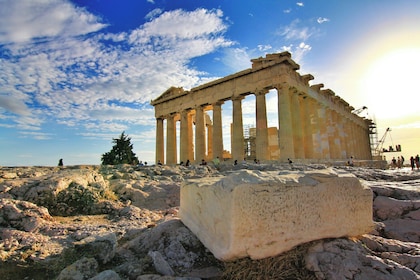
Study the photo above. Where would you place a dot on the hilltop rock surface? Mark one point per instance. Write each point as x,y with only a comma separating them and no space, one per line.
121,222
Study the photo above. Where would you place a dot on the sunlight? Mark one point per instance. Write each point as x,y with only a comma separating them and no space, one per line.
390,83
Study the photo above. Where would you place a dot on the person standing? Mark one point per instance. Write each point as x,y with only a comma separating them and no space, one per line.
412,162
60,162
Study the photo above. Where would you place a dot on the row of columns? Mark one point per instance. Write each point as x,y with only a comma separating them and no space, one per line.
308,129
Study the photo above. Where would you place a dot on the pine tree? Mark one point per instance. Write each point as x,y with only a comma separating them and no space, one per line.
121,153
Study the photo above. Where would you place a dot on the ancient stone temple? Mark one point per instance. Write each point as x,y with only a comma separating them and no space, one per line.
313,123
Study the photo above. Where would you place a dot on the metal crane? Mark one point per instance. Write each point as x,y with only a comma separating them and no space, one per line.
380,149
358,111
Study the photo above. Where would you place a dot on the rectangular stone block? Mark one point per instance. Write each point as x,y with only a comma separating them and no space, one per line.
259,214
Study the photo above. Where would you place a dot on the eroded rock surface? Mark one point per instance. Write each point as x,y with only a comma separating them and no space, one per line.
59,222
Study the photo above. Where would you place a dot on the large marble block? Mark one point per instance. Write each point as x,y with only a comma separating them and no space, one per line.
262,214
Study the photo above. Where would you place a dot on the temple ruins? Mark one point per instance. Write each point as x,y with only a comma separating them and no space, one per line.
314,124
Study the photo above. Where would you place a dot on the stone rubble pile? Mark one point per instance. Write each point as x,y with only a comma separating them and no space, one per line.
121,222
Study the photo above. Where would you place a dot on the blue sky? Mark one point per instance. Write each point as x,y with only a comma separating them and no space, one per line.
75,74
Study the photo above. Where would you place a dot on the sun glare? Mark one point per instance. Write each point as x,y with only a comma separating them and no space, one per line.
390,83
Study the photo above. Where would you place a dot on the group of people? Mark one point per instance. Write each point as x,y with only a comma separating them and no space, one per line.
399,162
415,162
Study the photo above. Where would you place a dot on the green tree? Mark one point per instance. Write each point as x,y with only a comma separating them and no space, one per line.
122,152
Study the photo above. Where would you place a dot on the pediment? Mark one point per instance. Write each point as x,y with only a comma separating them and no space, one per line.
170,93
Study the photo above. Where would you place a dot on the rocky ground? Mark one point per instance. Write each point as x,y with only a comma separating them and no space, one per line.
120,222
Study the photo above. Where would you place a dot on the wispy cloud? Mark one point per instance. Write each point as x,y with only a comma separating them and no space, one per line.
321,20
153,13
36,135
296,30
264,48
23,21
52,69
236,59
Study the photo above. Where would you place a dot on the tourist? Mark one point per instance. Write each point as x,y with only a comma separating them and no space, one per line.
393,162
187,163
417,159
235,162
60,162
216,162
350,162
159,163
412,162
203,162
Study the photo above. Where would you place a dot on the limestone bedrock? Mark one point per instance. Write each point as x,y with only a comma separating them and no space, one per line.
257,214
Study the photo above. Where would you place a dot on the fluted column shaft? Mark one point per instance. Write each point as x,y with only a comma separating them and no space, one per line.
190,137
217,130
171,154
184,136
297,124
160,143
342,135
237,130
307,127
331,134
200,134
316,131
209,141
286,144
261,129
325,148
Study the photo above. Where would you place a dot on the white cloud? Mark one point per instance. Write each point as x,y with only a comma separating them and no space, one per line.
36,135
296,31
236,59
300,4
14,105
153,13
23,21
321,20
72,78
263,48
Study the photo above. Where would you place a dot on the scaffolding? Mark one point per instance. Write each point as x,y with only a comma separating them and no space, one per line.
250,136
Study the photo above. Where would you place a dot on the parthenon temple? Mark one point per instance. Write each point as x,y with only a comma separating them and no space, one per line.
314,124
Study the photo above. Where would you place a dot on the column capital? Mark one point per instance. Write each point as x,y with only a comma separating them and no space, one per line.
258,91
282,86
238,97
218,103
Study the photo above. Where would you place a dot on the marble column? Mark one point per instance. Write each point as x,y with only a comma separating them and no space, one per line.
325,148
286,144
237,129
160,141
297,124
306,114
200,135
316,131
171,153
342,135
217,130
331,134
336,134
261,129
209,141
184,139
190,137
